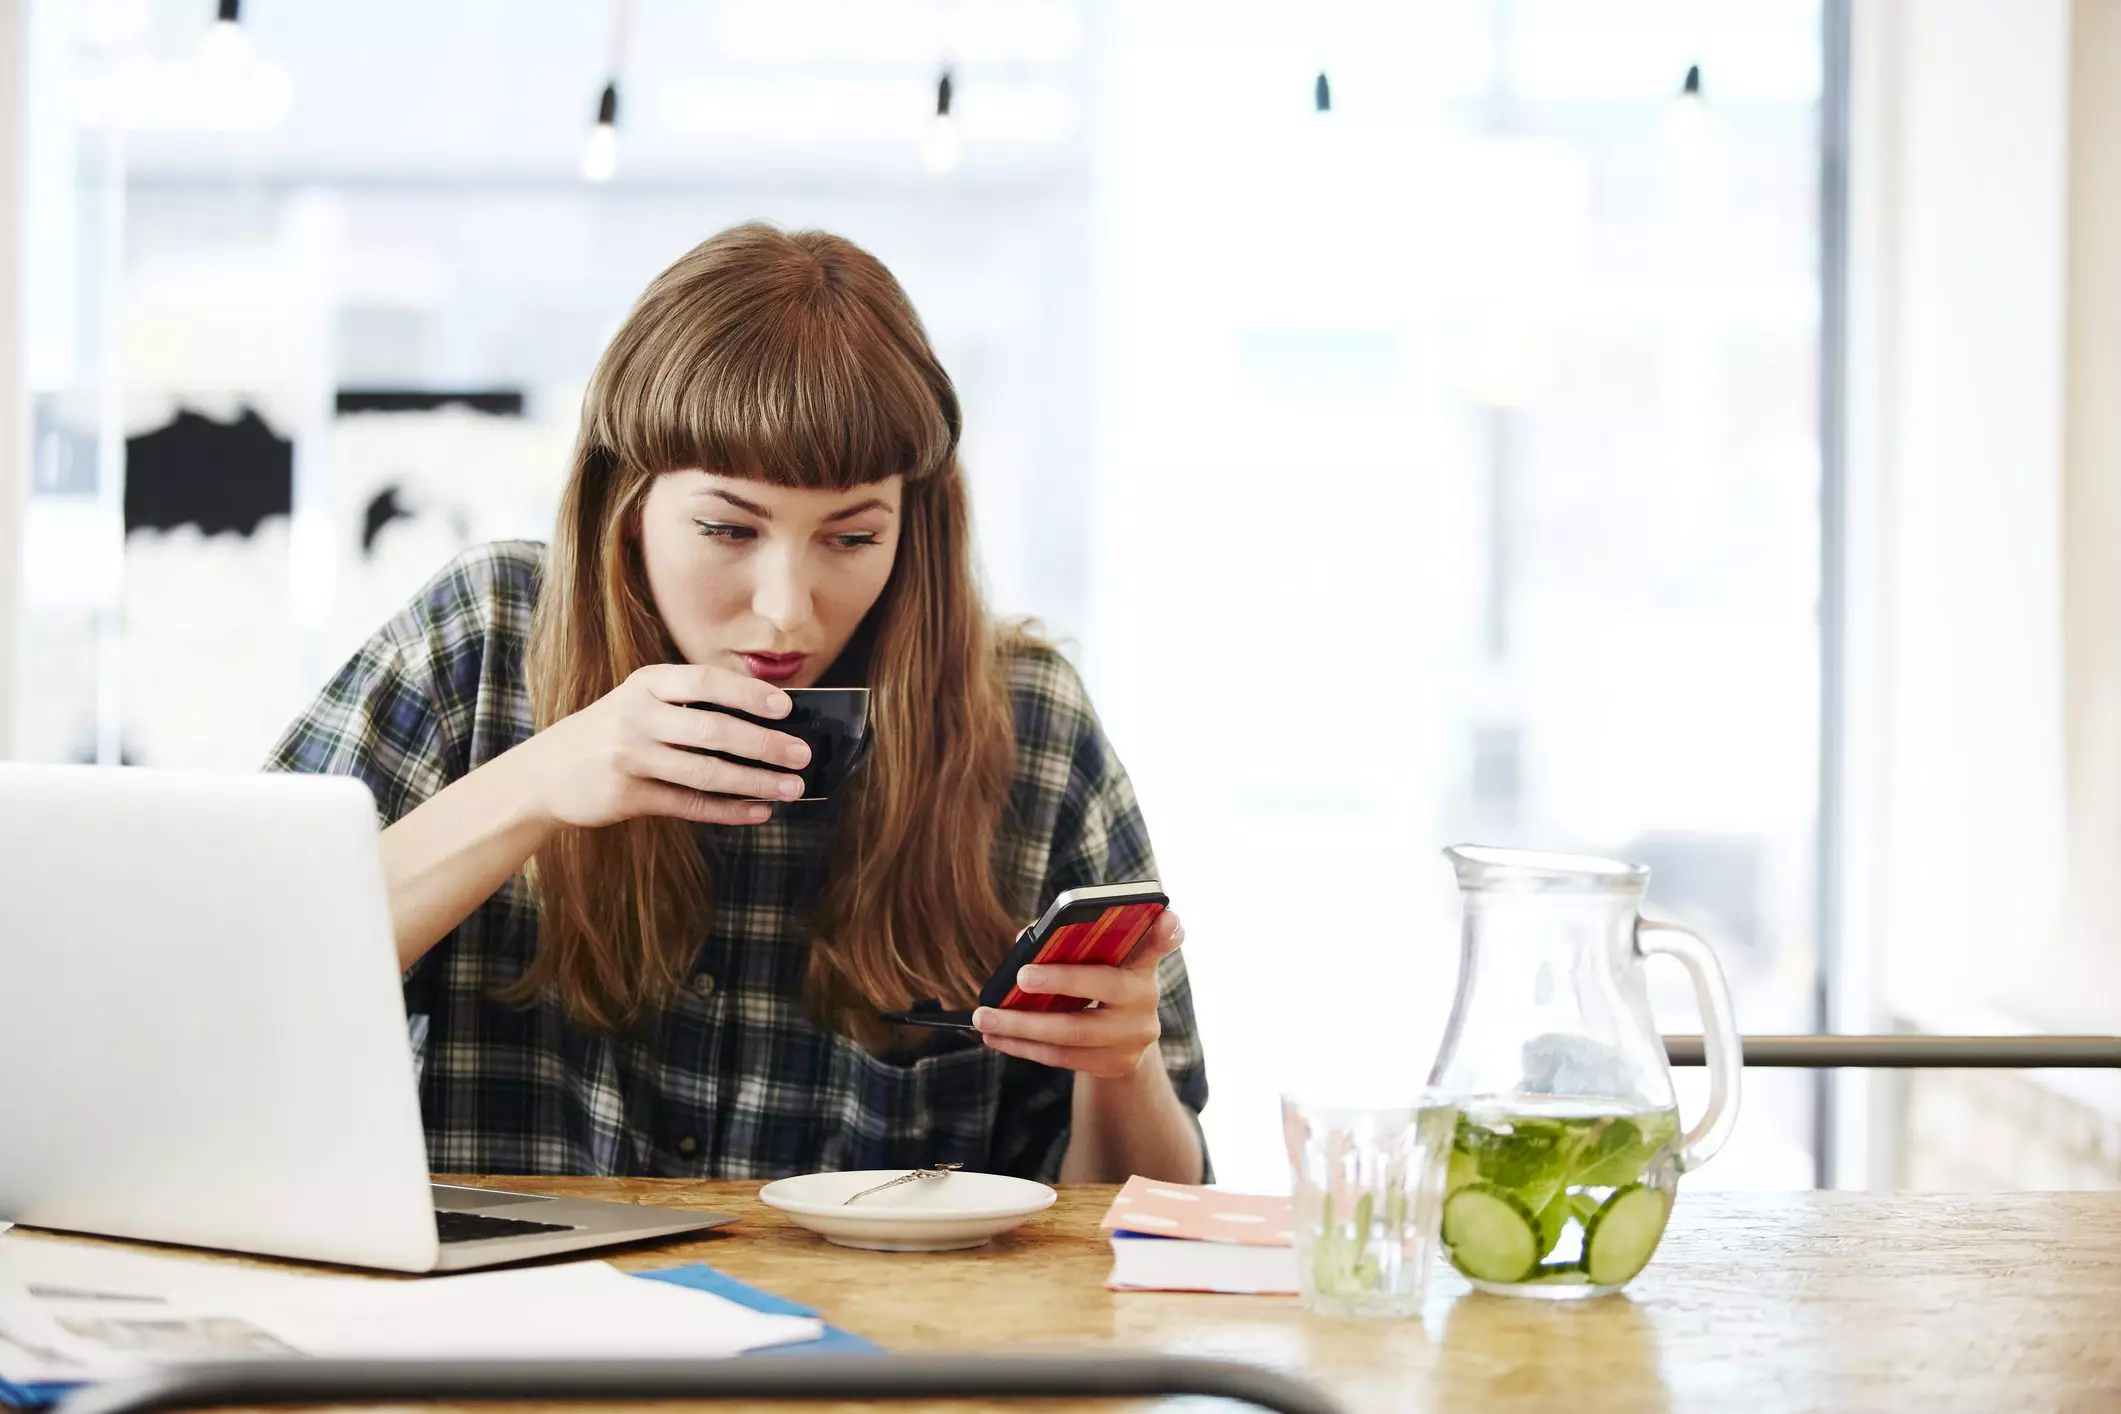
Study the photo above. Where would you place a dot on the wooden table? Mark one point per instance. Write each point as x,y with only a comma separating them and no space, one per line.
1755,1302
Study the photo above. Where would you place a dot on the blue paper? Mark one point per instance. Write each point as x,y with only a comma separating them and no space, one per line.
698,1277
701,1277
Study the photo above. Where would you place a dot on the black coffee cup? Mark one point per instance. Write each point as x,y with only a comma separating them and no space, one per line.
832,721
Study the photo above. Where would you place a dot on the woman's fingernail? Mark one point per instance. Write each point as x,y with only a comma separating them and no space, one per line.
1031,978
790,789
778,705
758,812
980,1017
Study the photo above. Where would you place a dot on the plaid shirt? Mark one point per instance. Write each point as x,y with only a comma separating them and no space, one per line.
733,1079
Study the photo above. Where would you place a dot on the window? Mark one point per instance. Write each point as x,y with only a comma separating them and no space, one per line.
1439,466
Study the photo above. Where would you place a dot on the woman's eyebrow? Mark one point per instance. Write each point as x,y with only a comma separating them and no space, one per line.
874,503
749,507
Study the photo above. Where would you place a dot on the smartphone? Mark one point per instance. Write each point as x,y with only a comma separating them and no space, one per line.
1098,924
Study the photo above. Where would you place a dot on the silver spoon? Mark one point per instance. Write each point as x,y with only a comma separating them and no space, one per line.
938,1171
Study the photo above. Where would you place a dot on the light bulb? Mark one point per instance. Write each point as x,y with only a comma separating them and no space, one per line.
600,154
941,147
1686,120
224,51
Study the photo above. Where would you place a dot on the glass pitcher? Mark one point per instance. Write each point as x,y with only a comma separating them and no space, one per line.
1567,1151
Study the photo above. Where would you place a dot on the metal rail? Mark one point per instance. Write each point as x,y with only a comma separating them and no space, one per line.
770,1379
1915,1052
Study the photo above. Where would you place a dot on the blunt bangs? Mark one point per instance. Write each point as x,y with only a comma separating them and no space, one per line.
795,360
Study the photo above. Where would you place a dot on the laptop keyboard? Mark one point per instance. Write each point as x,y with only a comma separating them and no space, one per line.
471,1227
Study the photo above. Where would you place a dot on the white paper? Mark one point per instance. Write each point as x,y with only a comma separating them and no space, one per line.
73,1312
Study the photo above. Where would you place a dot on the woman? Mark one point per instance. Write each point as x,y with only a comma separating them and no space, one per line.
617,965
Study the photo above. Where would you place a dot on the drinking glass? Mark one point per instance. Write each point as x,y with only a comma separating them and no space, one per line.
1367,1185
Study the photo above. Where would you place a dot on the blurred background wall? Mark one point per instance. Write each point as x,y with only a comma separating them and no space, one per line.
1458,365
1980,840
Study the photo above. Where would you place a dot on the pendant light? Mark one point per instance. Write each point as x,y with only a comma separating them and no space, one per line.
1688,116
225,50
941,147
600,150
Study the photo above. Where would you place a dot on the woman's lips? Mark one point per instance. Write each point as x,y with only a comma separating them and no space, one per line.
774,667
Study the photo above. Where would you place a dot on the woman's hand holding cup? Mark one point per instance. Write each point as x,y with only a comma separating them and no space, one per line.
638,751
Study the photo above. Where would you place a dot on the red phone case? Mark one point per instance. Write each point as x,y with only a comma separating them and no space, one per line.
1108,939
1084,931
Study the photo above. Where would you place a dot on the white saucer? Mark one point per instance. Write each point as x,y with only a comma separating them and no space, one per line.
926,1215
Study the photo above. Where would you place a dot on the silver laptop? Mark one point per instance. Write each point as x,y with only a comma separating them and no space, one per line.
203,1036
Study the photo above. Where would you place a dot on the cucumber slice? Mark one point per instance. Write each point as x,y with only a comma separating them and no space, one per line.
1491,1235
1621,1235
1557,1274
1463,1170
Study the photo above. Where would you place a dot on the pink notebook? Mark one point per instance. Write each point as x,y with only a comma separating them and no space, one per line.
1181,1237
1202,1214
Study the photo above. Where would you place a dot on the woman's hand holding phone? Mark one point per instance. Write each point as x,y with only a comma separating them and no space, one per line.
636,751
1109,1039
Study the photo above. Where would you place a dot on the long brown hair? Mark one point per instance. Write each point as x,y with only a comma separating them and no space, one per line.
794,359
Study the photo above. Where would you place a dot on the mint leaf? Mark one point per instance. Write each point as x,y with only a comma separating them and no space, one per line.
1552,1218
1619,1152
1612,1154
1531,1154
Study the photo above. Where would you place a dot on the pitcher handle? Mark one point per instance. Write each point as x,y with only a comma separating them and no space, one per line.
1719,1034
